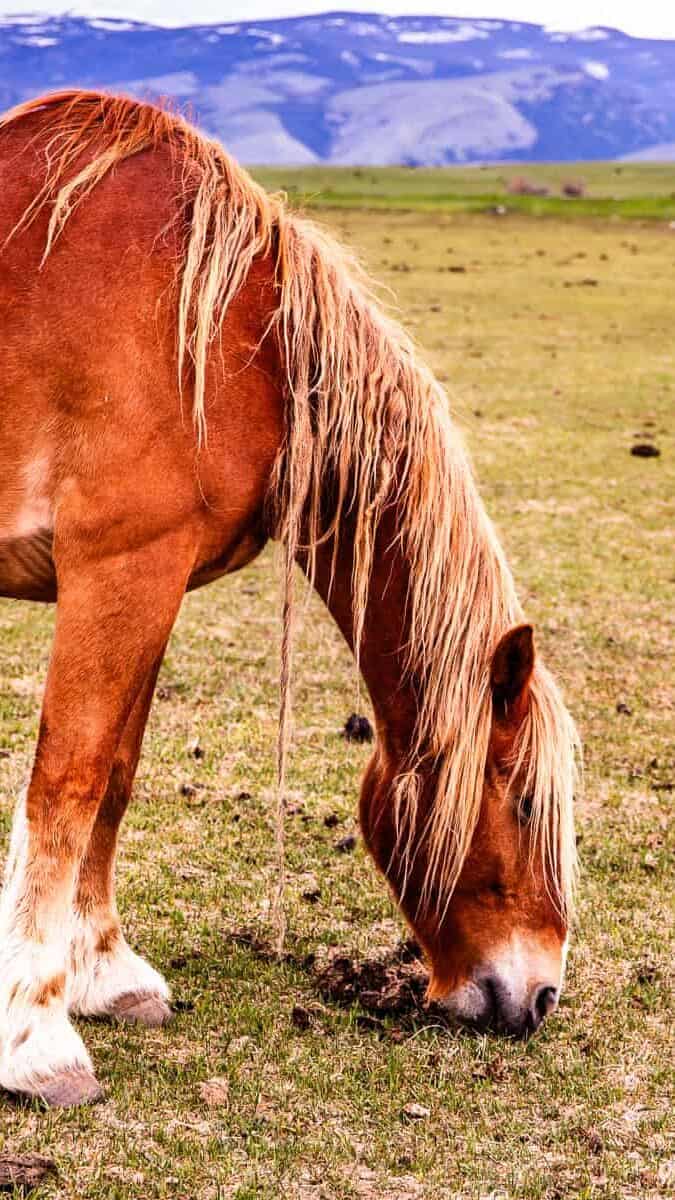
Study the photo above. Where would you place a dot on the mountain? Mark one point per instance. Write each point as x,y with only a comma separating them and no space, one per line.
364,89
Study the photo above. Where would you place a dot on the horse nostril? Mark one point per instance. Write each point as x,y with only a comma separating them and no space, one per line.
545,1000
492,1008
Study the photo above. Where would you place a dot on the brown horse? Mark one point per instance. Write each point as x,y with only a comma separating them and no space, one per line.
188,369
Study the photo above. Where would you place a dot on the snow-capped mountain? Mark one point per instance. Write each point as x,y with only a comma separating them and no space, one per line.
366,89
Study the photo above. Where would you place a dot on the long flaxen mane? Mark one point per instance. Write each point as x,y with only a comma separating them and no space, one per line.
364,412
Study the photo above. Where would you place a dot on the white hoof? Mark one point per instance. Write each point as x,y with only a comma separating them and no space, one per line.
40,1052
69,1088
142,1008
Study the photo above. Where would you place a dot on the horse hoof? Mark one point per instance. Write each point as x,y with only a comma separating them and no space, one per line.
69,1088
141,1008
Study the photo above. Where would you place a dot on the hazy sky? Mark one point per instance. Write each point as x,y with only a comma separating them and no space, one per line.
642,18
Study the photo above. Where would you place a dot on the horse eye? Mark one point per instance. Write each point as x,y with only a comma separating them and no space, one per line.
525,809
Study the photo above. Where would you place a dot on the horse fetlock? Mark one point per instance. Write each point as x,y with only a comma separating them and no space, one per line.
108,979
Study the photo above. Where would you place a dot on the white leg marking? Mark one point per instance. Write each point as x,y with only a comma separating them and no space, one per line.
36,1040
104,968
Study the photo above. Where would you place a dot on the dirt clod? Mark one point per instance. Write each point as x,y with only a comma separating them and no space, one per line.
394,985
494,1069
23,1172
346,844
301,1017
357,729
391,984
180,1006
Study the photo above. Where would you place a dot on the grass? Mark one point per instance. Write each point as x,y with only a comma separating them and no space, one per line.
619,191
552,379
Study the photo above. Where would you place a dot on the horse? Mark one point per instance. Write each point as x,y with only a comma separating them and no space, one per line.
189,369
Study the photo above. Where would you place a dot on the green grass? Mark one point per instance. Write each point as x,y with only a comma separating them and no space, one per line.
617,190
552,380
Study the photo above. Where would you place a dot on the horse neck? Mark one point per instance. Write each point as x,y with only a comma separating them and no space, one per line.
472,606
385,633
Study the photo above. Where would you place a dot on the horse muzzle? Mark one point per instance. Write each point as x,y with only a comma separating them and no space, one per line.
511,994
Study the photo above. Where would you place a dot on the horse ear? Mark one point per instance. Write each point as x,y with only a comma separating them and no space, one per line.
511,671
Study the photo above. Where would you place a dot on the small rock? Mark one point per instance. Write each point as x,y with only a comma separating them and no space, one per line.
357,729
215,1092
645,450
346,844
416,1112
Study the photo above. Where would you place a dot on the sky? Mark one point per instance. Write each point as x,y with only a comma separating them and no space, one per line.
640,18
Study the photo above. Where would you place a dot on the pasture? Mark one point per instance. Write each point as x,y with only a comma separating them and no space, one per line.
555,342
610,190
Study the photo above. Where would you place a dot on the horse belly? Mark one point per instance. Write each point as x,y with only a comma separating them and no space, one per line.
237,555
26,530
27,567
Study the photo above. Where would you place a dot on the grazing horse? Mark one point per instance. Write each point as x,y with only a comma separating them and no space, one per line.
186,370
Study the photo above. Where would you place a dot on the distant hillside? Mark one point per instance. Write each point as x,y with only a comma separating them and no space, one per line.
364,89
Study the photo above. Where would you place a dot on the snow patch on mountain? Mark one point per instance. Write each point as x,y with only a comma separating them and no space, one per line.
363,88
430,37
596,70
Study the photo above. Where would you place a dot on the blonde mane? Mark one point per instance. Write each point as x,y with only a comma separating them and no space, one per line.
365,413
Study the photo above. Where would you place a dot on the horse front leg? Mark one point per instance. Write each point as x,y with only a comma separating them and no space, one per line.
113,619
108,979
